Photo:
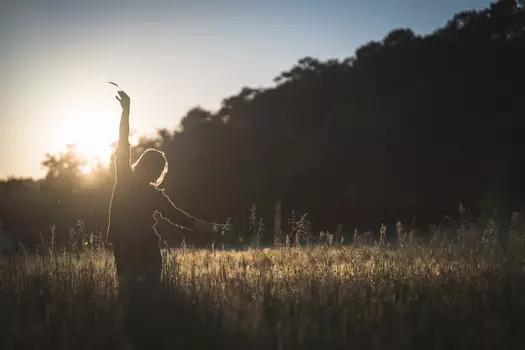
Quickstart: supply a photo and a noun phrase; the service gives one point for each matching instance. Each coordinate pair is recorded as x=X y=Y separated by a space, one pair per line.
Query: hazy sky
x=169 y=56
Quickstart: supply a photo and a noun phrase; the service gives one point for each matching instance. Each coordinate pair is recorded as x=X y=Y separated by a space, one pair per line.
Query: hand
x=124 y=99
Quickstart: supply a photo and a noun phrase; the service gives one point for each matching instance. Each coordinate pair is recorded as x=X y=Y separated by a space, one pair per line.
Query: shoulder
x=126 y=178
x=157 y=192
x=161 y=198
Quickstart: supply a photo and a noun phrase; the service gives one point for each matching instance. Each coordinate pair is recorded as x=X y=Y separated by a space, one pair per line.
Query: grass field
x=465 y=290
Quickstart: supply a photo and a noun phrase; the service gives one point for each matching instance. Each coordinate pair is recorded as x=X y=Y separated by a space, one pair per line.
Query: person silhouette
x=135 y=199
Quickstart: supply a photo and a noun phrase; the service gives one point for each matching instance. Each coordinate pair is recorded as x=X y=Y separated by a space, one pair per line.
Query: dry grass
x=466 y=293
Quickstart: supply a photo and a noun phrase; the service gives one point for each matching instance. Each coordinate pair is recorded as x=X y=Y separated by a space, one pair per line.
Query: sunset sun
x=92 y=131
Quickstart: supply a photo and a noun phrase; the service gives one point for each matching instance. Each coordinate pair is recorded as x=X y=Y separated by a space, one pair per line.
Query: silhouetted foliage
x=410 y=126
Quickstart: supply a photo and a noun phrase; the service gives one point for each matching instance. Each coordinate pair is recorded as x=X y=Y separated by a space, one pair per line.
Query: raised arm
x=122 y=154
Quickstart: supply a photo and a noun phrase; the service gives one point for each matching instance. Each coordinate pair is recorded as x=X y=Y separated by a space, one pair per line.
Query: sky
x=169 y=56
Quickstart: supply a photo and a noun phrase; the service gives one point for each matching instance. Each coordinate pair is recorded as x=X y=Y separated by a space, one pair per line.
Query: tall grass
x=463 y=288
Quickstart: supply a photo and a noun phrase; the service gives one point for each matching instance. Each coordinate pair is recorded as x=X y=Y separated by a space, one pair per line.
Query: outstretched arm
x=123 y=152
x=169 y=212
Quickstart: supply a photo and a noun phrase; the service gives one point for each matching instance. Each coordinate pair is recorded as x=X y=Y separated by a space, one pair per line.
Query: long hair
x=150 y=163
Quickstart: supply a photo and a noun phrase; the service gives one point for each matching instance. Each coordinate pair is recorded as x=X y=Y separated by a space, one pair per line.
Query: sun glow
x=92 y=131
x=87 y=168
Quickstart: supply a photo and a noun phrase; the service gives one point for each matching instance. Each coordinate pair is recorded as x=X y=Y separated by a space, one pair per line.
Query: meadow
x=462 y=288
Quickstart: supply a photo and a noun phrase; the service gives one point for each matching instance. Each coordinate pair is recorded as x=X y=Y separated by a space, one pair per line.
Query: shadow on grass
x=35 y=314
x=169 y=320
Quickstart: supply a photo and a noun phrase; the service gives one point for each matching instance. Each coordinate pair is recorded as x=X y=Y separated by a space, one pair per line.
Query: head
x=151 y=166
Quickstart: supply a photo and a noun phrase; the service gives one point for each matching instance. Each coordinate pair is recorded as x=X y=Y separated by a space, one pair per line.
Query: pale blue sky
x=168 y=55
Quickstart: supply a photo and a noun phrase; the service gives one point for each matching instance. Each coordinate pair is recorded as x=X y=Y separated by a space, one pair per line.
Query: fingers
x=122 y=94
x=123 y=98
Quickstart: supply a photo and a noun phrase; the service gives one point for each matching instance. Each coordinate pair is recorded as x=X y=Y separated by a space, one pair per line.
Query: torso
x=131 y=214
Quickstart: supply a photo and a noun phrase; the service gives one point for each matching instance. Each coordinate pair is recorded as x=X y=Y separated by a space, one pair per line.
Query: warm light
x=92 y=131
x=86 y=169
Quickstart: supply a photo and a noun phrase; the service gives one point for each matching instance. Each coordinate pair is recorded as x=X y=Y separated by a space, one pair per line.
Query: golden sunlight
x=86 y=169
x=92 y=131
